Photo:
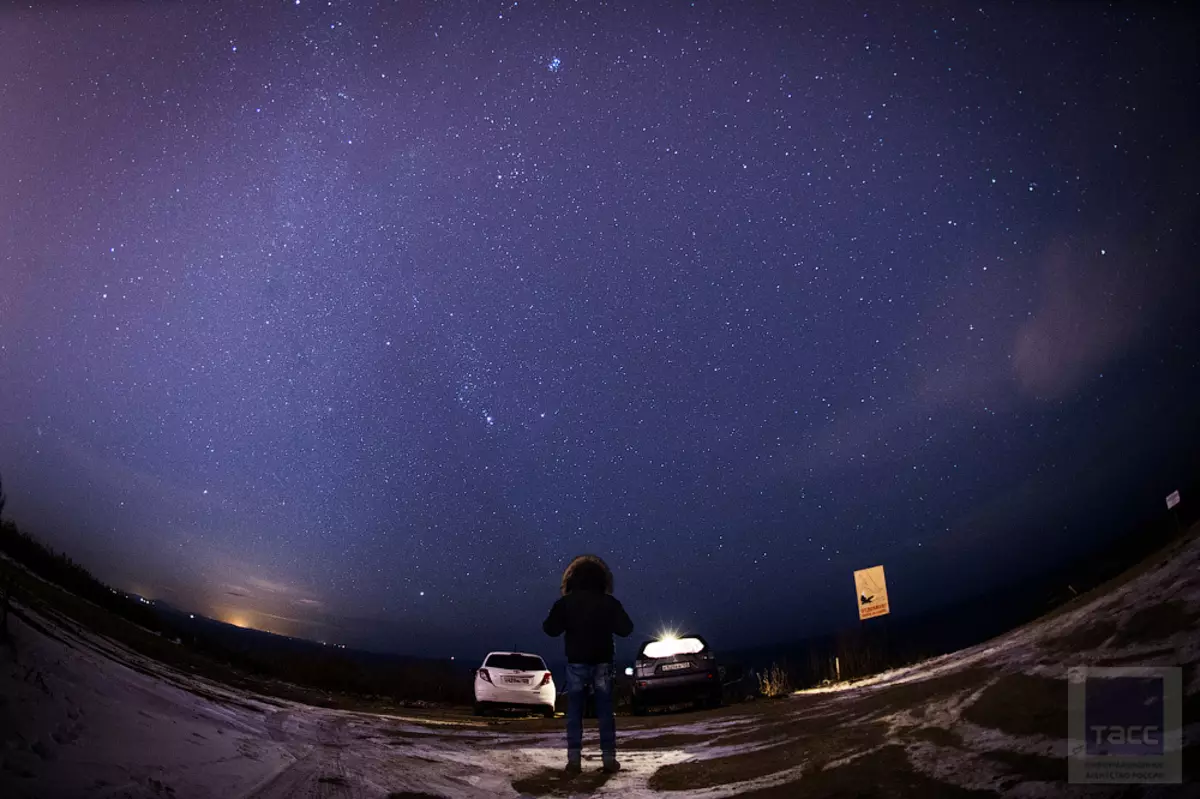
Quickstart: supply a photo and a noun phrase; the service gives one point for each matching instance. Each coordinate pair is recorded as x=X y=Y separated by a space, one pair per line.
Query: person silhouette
x=589 y=616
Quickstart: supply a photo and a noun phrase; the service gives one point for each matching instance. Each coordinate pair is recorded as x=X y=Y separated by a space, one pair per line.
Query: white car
x=514 y=679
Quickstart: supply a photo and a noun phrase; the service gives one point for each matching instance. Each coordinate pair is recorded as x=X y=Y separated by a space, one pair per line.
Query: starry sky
x=357 y=321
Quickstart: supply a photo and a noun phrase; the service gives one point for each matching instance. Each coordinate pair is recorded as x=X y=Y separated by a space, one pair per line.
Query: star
x=728 y=355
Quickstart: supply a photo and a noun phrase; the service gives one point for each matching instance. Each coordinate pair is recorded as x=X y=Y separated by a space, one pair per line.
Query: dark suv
x=674 y=670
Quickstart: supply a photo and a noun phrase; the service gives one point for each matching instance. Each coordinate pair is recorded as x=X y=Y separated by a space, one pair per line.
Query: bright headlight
x=669 y=647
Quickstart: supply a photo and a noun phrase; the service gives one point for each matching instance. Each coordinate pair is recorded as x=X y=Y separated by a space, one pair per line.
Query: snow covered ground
x=82 y=716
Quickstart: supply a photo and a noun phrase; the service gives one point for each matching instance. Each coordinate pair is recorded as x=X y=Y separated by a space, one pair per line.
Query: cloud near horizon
x=269 y=586
x=1088 y=307
x=269 y=598
x=1092 y=307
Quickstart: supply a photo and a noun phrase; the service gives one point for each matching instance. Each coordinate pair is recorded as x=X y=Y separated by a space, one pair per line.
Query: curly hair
x=587 y=573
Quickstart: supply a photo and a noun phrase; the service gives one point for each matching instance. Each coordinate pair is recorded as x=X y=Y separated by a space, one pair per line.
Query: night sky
x=357 y=323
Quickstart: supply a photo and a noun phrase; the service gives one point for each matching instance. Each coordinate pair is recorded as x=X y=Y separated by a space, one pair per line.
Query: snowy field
x=82 y=716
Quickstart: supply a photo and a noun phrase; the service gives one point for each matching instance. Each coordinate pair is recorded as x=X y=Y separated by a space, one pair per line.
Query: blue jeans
x=581 y=676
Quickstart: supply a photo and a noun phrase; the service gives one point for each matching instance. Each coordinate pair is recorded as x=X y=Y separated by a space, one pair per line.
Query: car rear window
x=671 y=647
x=516 y=662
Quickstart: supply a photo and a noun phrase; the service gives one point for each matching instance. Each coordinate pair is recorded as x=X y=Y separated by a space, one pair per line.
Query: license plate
x=675 y=666
x=521 y=680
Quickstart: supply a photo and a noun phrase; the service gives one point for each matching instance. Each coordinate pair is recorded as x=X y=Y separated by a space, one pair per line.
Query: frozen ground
x=83 y=716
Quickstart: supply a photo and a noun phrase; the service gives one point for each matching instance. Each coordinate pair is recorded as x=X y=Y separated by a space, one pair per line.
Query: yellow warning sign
x=872 y=592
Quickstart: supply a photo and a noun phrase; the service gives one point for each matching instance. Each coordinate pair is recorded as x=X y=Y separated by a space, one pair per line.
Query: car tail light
x=546 y=679
x=483 y=673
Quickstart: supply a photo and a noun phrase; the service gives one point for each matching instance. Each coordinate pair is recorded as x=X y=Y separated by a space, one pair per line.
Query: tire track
x=319 y=771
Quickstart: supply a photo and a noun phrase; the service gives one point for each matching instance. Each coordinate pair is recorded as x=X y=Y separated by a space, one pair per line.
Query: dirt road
x=82 y=716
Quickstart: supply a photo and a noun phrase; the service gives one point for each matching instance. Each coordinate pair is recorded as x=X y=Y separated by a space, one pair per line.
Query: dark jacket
x=588 y=612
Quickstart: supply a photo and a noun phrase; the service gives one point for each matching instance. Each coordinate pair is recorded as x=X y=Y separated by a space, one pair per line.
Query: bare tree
x=5 y=593
x=5 y=582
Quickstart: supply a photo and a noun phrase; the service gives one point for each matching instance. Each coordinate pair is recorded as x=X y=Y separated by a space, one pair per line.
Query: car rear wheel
x=548 y=711
x=479 y=708
x=639 y=709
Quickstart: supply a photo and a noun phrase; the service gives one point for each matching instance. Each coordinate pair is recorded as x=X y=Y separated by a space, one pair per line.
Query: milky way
x=358 y=322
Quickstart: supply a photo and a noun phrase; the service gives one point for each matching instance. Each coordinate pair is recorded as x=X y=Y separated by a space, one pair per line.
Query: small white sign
x=872 y=592
x=1172 y=499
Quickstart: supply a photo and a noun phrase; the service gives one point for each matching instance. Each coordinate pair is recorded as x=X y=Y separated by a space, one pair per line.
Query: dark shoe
x=573 y=767
x=611 y=765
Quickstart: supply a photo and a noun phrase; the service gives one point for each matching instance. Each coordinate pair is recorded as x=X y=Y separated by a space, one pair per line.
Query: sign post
x=871 y=590
x=1172 y=502
x=872 y=593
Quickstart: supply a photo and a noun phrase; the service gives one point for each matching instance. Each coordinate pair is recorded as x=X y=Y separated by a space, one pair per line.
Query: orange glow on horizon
x=244 y=619
x=250 y=619
x=238 y=617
